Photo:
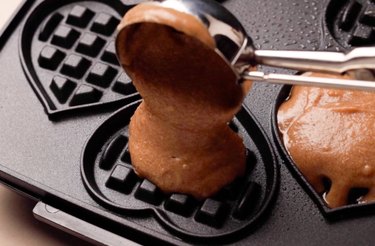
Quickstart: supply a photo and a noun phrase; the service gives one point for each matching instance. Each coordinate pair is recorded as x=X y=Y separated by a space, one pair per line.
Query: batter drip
x=179 y=135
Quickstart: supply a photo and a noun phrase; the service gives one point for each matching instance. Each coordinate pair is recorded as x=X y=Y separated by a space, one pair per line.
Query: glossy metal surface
x=230 y=37
x=310 y=81
x=318 y=61
x=237 y=48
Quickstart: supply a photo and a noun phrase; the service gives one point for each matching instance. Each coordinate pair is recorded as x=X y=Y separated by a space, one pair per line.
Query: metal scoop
x=236 y=47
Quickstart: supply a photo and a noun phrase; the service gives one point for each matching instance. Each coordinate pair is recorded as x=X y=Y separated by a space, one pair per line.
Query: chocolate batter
x=329 y=134
x=179 y=135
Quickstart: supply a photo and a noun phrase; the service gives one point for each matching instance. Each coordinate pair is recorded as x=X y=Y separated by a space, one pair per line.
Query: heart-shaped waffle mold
x=352 y=209
x=352 y=22
x=68 y=54
x=110 y=179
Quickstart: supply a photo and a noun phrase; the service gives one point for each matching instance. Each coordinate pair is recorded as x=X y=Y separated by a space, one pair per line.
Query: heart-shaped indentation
x=68 y=54
x=109 y=178
x=353 y=208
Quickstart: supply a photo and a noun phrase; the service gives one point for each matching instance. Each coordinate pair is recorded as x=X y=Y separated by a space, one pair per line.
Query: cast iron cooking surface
x=42 y=157
x=109 y=177
x=352 y=22
x=71 y=61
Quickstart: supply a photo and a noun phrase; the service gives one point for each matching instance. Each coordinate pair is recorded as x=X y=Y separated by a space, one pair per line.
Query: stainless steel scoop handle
x=318 y=61
x=310 y=81
x=236 y=47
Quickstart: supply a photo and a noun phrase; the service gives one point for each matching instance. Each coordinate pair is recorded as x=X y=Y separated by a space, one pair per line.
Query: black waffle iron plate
x=65 y=105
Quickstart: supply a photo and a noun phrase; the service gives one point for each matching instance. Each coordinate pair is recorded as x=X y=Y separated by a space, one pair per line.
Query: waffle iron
x=65 y=105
